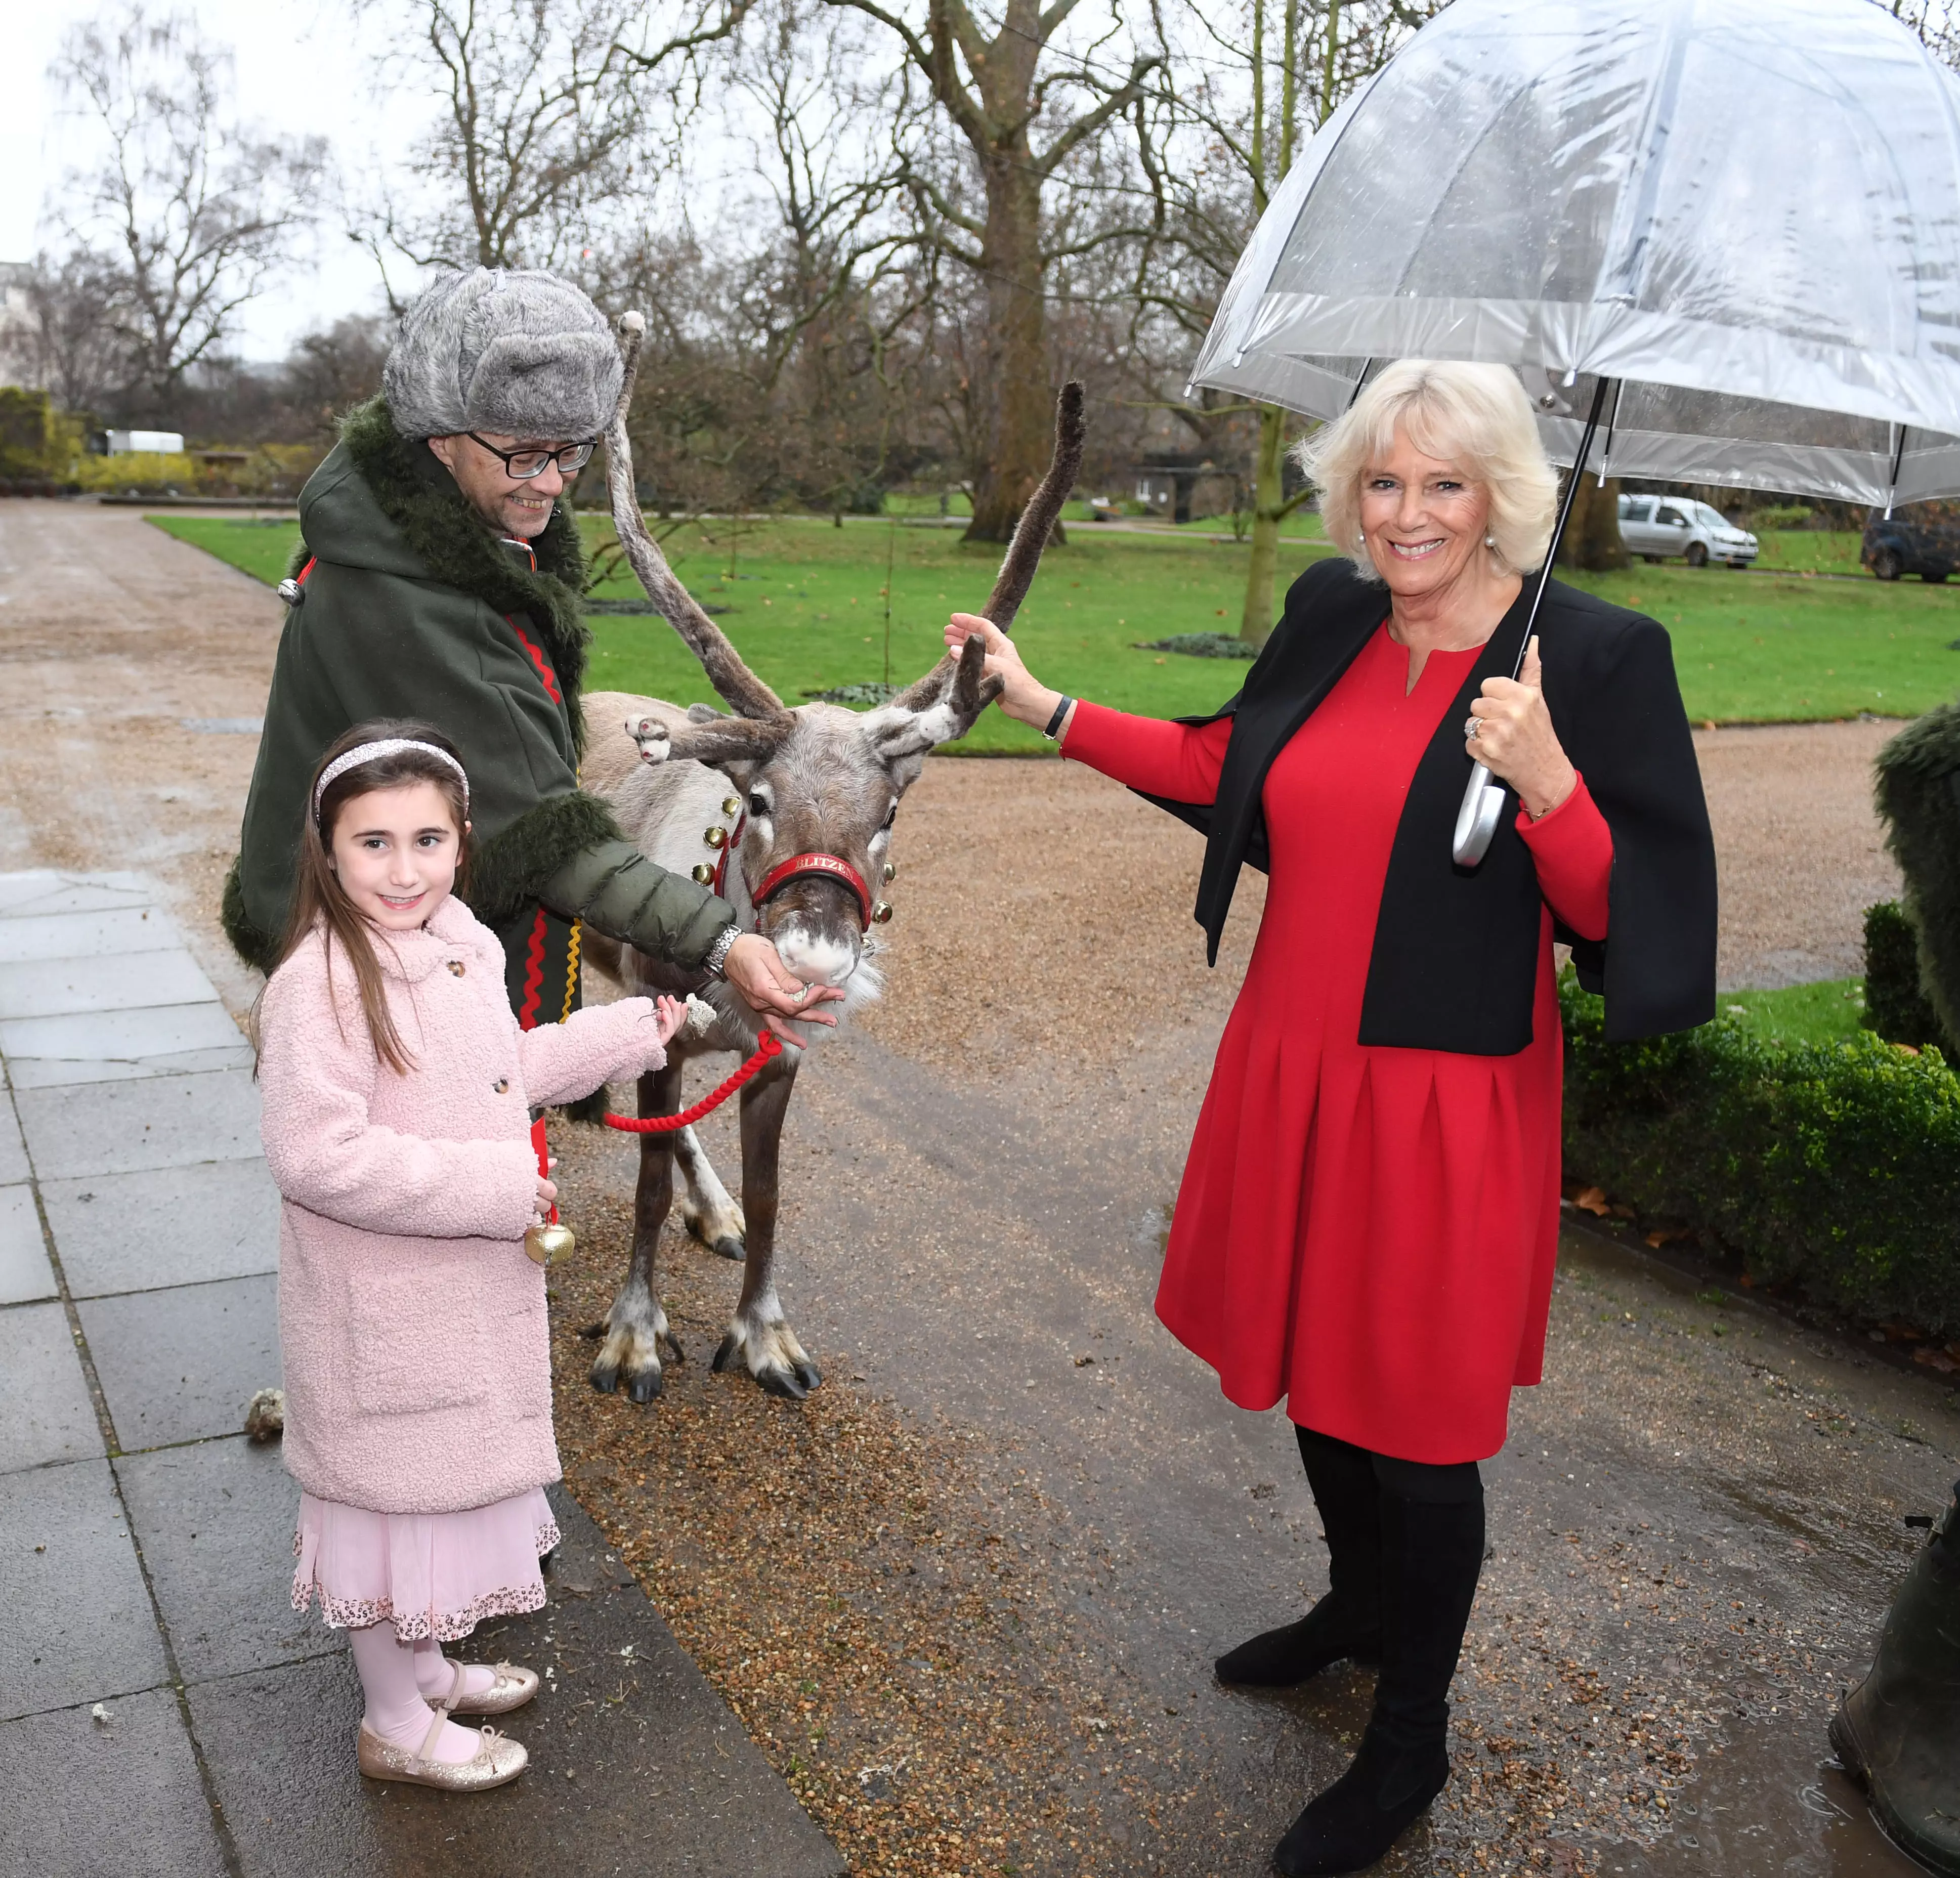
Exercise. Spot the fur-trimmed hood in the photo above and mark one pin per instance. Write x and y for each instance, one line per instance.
(386, 504)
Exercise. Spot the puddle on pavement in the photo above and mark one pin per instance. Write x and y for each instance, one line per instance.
(1770, 1803)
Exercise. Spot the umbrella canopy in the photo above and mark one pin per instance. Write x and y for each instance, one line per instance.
(1746, 212)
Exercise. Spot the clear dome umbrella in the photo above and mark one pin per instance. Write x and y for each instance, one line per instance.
(1720, 238)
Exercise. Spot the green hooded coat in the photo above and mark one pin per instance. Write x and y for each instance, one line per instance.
(410, 606)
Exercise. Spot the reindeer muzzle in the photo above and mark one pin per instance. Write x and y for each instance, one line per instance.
(830, 867)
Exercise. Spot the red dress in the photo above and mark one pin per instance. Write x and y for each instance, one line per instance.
(1368, 1232)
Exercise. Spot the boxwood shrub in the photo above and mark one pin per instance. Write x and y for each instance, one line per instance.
(1835, 1167)
(1895, 1007)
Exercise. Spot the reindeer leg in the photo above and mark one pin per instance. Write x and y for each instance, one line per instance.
(706, 1209)
(759, 1335)
(635, 1326)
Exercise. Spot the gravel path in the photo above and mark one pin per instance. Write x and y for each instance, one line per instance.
(1801, 852)
(967, 1596)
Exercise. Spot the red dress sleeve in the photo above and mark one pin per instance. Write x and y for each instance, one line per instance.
(1179, 760)
(1572, 849)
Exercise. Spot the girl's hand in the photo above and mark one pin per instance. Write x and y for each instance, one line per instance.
(669, 1014)
(547, 1192)
(1023, 698)
(1515, 741)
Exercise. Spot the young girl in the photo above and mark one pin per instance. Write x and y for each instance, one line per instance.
(398, 1089)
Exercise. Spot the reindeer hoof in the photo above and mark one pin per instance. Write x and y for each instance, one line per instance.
(784, 1382)
(605, 1376)
(643, 1388)
(809, 1375)
(729, 1246)
(673, 1344)
(724, 1355)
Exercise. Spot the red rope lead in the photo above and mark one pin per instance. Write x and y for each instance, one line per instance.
(770, 1046)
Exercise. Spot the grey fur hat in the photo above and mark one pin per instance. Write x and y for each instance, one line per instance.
(516, 352)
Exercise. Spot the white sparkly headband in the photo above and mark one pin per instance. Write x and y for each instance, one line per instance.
(386, 746)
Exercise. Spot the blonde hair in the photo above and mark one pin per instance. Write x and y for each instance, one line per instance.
(1475, 414)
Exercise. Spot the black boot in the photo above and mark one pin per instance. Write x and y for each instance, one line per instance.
(1347, 1621)
(1898, 1731)
(1432, 1552)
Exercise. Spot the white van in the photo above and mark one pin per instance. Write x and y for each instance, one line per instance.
(1656, 527)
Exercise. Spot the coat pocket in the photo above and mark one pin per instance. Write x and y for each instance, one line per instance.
(416, 1337)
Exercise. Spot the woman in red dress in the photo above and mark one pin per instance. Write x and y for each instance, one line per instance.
(1368, 1222)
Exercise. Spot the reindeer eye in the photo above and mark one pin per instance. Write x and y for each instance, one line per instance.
(891, 815)
(759, 804)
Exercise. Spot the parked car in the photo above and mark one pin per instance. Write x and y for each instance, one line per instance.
(1655, 527)
(1922, 538)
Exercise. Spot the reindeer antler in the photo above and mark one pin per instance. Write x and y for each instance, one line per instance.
(1024, 551)
(742, 691)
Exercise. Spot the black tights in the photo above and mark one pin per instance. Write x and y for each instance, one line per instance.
(1446, 1483)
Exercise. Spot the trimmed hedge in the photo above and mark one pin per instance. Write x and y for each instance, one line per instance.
(1895, 1007)
(1835, 1166)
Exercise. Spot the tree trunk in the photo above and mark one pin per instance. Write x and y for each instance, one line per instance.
(1269, 494)
(1017, 414)
(1593, 536)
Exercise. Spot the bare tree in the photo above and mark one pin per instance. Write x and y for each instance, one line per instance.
(69, 344)
(543, 122)
(1256, 82)
(1023, 97)
(195, 205)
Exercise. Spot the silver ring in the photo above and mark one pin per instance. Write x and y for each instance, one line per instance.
(1471, 725)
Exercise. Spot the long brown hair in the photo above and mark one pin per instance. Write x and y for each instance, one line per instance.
(319, 898)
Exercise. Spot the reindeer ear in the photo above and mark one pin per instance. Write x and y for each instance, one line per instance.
(703, 713)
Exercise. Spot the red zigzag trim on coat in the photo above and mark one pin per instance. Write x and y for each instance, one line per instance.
(538, 658)
(534, 976)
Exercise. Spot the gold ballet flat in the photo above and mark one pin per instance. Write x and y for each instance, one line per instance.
(498, 1759)
(514, 1686)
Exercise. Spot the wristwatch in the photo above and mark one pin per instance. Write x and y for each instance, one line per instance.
(717, 953)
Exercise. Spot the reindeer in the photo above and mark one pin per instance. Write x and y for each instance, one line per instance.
(789, 813)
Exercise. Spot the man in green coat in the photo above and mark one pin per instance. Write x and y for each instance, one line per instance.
(438, 577)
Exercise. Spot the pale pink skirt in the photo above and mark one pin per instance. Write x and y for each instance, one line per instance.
(435, 1574)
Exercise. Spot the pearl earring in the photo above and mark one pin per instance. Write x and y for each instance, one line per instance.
(1489, 541)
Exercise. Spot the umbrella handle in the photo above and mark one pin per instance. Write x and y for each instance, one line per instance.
(1476, 819)
(1483, 795)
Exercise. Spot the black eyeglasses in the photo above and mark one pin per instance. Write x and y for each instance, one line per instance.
(524, 464)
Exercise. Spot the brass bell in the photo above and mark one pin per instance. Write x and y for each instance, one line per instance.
(550, 1244)
(703, 873)
(716, 836)
(881, 912)
(730, 806)
(891, 870)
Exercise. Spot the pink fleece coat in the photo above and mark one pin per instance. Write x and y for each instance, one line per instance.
(417, 1361)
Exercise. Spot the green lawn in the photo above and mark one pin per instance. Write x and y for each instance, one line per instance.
(1806, 550)
(1823, 1013)
(805, 603)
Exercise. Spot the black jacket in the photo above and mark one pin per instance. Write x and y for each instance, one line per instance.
(1455, 951)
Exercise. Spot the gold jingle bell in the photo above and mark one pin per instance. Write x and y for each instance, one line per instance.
(730, 805)
(881, 912)
(549, 1244)
(716, 836)
(891, 871)
(704, 873)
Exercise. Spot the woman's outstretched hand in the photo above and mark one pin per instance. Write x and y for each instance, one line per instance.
(1023, 697)
(1515, 741)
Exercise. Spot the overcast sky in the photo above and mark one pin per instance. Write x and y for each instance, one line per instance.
(299, 69)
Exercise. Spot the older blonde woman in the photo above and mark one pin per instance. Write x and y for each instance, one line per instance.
(1369, 1218)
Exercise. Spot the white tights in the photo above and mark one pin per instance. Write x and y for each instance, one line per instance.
(392, 1680)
